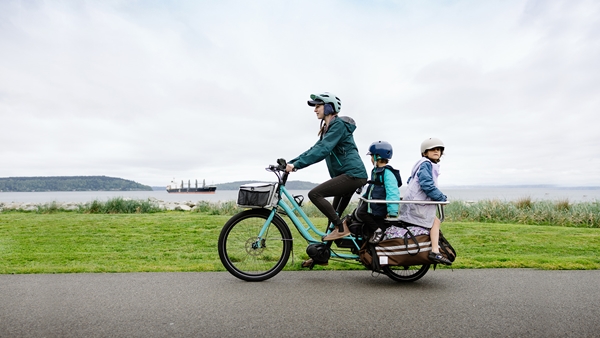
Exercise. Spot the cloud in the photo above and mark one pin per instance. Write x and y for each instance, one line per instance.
(217, 90)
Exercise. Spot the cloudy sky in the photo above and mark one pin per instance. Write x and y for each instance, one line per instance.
(217, 90)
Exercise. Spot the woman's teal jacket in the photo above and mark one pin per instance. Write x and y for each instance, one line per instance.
(337, 148)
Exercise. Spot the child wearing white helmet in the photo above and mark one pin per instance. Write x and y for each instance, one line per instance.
(422, 186)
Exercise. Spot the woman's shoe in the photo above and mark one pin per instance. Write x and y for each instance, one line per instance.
(336, 234)
(438, 258)
(309, 262)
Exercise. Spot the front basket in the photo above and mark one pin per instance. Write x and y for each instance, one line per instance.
(257, 195)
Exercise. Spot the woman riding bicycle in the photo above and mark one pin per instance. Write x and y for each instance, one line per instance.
(336, 146)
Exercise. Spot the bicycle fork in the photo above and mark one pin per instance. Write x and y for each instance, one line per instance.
(260, 239)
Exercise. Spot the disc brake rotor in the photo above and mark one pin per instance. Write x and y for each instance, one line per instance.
(255, 248)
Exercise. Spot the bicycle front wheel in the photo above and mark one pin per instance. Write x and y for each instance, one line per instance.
(406, 273)
(249, 257)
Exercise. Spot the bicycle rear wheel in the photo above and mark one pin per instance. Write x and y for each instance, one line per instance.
(406, 273)
(246, 256)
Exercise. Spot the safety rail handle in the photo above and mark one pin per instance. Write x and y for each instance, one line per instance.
(405, 202)
(438, 204)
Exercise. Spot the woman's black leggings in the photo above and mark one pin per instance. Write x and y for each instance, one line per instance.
(341, 189)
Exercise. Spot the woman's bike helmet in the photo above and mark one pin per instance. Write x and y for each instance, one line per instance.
(431, 143)
(324, 98)
(381, 150)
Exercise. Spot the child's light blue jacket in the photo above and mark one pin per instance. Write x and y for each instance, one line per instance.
(422, 186)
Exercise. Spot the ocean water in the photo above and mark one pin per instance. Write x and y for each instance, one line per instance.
(514, 194)
(454, 193)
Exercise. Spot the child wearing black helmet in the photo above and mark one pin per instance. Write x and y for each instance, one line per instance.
(383, 185)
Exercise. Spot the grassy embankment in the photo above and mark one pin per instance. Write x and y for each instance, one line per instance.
(123, 236)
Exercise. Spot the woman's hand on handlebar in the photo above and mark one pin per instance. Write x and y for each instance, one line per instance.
(289, 167)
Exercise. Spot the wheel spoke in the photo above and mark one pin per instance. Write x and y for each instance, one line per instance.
(251, 258)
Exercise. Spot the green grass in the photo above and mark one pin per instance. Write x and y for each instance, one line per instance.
(67, 242)
(485, 245)
(71, 242)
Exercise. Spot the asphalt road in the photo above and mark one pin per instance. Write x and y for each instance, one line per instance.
(459, 303)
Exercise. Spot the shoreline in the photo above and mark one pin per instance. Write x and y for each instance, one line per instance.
(74, 206)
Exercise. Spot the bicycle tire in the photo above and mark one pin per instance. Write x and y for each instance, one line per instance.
(239, 253)
(406, 274)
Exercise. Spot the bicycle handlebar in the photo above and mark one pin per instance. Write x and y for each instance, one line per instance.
(280, 166)
(278, 169)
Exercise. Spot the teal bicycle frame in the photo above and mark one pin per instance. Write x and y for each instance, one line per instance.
(304, 230)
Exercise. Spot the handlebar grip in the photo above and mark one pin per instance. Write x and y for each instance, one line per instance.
(282, 164)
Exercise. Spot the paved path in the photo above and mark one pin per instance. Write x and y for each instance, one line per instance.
(459, 303)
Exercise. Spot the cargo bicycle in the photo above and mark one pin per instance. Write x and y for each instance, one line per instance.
(255, 244)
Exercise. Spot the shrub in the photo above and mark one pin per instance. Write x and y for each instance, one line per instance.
(48, 208)
(563, 205)
(119, 205)
(524, 203)
(525, 211)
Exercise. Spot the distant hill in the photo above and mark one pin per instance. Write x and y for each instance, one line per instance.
(69, 183)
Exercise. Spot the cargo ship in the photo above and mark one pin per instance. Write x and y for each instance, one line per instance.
(181, 189)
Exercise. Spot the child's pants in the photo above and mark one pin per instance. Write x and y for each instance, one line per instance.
(371, 221)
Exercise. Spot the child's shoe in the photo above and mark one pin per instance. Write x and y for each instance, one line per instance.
(438, 258)
(377, 237)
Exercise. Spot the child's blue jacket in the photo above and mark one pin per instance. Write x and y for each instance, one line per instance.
(427, 183)
(384, 186)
